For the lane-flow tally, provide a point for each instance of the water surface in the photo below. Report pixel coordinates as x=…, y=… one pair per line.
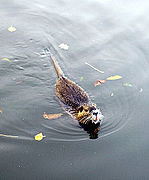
x=110, y=35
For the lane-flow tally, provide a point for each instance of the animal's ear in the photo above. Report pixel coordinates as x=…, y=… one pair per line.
x=92, y=108
x=81, y=109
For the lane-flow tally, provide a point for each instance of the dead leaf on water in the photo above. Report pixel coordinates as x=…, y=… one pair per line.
x=114, y=77
x=99, y=82
x=51, y=116
x=39, y=137
x=11, y=29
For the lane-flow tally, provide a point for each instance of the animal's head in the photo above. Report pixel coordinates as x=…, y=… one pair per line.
x=86, y=113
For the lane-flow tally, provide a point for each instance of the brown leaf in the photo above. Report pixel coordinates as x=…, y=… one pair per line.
x=51, y=116
x=99, y=82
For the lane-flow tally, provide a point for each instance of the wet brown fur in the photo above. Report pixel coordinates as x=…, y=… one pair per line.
x=74, y=96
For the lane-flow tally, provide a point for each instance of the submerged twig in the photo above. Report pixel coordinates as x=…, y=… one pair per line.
x=94, y=68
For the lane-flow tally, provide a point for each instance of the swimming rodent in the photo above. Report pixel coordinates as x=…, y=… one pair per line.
x=76, y=99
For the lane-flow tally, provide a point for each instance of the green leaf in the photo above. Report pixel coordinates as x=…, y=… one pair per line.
x=127, y=85
x=81, y=78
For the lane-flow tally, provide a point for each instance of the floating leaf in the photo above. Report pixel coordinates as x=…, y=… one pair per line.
x=6, y=59
x=94, y=68
x=141, y=90
x=112, y=94
x=11, y=29
x=127, y=85
x=114, y=77
x=63, y=46
x=39, y=137
x=51, y=116
x=19, y=82
x=81, y=78
x=99, y=82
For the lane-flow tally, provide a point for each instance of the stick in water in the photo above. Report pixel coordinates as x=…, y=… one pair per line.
x=4, y=135
x=94, y=68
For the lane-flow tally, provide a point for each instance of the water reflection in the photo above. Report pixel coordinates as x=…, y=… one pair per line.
x=92, y=129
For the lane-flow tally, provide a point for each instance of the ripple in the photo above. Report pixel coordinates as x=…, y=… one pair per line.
x=118, y=110
x=36, y=94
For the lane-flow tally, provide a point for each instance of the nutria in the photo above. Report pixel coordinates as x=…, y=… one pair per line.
x=76, y=99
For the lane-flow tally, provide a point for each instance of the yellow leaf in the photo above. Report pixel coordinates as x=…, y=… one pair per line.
x=6, y=59
x=39, y=137
x=11, y=29
x=114, y=77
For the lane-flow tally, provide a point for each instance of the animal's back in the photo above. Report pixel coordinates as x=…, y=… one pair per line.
x=70, y=93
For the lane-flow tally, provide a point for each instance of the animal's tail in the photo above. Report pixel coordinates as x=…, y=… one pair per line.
x=58, y=70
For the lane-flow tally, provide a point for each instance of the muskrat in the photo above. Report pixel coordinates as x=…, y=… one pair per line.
x=76, y=99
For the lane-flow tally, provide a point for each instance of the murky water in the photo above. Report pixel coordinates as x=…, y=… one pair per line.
x=110, y=35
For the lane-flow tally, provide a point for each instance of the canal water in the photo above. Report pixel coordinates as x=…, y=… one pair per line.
x=112, y=36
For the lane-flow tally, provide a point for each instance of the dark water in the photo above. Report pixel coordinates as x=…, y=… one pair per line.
x=111, y=35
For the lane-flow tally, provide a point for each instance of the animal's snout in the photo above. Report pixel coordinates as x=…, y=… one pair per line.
x=97, y=116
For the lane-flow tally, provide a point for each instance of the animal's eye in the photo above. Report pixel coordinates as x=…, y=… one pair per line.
x=81, y=108
x=92, y=108
x=86, y=110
